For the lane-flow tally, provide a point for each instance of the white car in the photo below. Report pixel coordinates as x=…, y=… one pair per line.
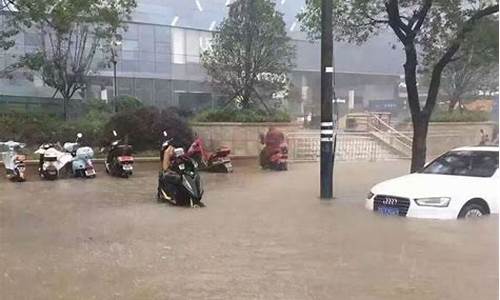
x=461, y=183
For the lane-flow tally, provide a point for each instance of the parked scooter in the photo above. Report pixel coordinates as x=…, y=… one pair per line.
x=53, y=162
x=119, y=161
x=14, y=161
x=274, y=155
x=179, y=182
x=218, y=162
x=82, y=158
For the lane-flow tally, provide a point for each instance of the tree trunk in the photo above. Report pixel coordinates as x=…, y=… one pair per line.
x=65, y=108
x=419, y=143
x=419, y=118
x=453, y=103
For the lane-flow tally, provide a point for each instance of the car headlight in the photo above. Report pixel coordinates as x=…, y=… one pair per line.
x=434, y=201
x=370, y=195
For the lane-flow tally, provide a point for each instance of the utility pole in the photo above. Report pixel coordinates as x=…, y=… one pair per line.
x=115, y=43
x=326, y=169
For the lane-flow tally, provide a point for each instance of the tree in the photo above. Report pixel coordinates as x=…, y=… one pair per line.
x=250, y=55
x=426, y=29
x=70, y=33
x=476, y=66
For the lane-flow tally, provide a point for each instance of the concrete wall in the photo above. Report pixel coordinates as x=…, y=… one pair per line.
x=448, y=135
x=242, y=138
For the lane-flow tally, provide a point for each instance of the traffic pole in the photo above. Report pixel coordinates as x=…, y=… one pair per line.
x=326, y=135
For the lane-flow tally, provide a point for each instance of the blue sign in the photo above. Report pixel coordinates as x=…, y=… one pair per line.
x=385, y=105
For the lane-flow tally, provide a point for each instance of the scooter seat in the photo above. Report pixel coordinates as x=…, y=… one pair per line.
x=221, y=152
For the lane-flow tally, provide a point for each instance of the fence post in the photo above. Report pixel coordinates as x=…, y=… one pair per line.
x=373, y=152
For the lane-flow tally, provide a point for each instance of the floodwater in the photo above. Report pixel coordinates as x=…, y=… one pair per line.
x=263, y=235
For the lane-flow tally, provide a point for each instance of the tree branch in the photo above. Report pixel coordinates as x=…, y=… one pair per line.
x=399, y=28
x=421, y=15
x=450, y=52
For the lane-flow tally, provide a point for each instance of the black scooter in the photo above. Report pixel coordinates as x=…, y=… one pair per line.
x=119, y=161
x=181, y=184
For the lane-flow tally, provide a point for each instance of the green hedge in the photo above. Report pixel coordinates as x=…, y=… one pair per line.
x=241, y=116
x=460, y=116
x=142, y=125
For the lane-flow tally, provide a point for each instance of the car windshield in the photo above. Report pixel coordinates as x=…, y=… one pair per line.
x=464, y=163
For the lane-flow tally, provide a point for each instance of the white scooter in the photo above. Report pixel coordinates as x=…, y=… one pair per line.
x=82, y=165
x=52, y=161
x=13, y=161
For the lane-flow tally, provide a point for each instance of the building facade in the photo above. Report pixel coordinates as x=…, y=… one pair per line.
x=159, y=62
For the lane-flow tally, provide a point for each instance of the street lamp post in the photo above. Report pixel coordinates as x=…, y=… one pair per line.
x=115, y=43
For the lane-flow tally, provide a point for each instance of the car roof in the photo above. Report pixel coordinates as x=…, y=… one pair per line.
x=490, y=148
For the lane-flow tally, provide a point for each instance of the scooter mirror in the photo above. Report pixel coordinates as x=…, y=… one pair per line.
x=165, y=133
x=114, y=133
x=79, y=135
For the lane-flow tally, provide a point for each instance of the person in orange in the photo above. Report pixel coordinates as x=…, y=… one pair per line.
x=273, y=140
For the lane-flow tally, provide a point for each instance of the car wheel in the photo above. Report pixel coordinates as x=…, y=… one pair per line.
x=472, y=210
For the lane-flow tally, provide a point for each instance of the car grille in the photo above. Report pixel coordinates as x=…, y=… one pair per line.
x=391, y=201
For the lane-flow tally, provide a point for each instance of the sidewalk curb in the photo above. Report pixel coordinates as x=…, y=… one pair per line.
x=136, y=159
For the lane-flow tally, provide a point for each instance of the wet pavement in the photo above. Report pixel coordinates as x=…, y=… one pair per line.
x=263, y=235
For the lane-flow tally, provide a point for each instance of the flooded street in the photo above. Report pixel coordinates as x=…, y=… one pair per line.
x=263, y=235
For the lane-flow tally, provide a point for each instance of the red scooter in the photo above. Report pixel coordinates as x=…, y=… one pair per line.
x=218, y=162
x=274, y=157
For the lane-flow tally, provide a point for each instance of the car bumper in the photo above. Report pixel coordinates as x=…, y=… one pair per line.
x=423, y=212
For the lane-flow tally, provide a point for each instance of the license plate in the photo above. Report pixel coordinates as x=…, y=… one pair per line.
x=228, y=164
x=182, y=167
x=127, y=167
x=388, y=211
x=90, y=172
x=21, y=169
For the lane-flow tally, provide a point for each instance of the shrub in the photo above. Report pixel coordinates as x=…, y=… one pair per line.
x=144, y=127
x=460, y=116
x=241, y=115
x=126, y=103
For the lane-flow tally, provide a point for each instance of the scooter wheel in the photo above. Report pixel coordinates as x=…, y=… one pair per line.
x=159, y=198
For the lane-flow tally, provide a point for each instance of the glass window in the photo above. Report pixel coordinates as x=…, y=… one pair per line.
x=130, y=55
x=163, y=93
x=162, y=34
x=178, y=46
x=148, y=67
x=146, y=37
x=162, y=47
x=144, y=90
x=192, y=43
x=131, y=32
x=130, y=45
x=161, y=57
x=146, y=56
x=129, y=66
x=125, y=86
x=192, y=59
x=162, y=68
x=465, y=163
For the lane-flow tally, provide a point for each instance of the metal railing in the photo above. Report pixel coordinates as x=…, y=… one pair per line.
x=305, y=146
x=384, y=132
